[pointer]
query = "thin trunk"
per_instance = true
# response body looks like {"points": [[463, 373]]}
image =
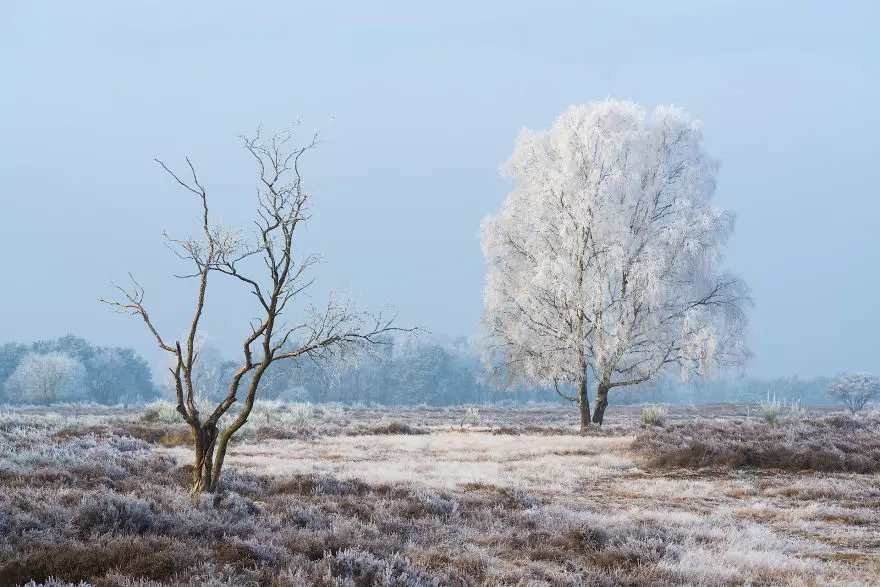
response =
{"points": [[601, 403], [213, 479], [584, 403]]}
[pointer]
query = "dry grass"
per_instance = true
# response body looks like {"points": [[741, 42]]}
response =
{"points": [[440, 460], [837, 443], [102, 499]]}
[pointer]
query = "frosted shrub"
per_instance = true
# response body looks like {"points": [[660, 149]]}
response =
{"points": [[654, 416], [795, 412], [101, 512], [770, 408], [266, 412], [333, 413], [301, 415], [394, 571], [471, 417], [160, 412]]}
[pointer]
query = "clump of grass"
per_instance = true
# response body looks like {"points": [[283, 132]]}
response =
{"points": [[471, 417], [160, 412], [654, 416], [795, 412], [770, 408]]}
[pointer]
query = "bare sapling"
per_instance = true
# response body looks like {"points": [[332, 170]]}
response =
{"points": [[265, 266]]}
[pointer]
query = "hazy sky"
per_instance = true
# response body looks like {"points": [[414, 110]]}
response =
{"points": [[417, 106]]}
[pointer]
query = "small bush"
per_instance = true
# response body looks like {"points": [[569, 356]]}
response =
{"points": [[301, 415], [471, 417], [770, 408], [160, 412], [654, 416], [395, 427]]}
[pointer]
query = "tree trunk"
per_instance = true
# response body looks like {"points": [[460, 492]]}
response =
{"points": [[584, 404], [601, 403], [203, 467]]}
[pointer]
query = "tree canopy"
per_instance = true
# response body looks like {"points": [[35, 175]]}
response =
{"points": [[604, 259]]}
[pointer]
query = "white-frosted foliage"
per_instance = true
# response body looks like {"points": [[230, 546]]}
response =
{"points": [[855, 390], [607, 251], [46, 378]]}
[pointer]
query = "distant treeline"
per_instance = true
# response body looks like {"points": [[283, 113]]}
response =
{"points": [[72, 369], [404, 373]]}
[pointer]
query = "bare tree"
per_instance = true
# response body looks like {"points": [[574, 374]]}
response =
{"points": [[855, 391], [266, 267]]}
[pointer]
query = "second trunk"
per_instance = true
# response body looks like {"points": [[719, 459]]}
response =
{"points": [[584, 404], [601, 403]]}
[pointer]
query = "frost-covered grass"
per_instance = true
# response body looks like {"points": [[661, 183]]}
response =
{"points": [[104, 501], [654, 416], [835, 443], [770, 408]]}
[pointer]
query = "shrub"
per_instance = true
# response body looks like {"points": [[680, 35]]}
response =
{"points": [[471, 417], [392, 427], [795, 412], [654, 416], [160, 412], [770, 409], [106, 511], [854, 391], [334, 413], [302, 415]]}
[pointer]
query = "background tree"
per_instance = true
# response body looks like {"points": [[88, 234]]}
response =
{"points": [[46, 378], [266, 267], [854, 391], [604, 257], [11, 355], [116, 375]]}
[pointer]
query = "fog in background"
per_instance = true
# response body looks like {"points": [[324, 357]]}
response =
{"points": [[417, 106]]}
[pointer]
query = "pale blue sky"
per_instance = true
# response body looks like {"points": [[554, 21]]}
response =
{"points": [[417, 107]]}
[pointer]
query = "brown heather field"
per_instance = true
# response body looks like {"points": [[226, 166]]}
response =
{"points": [[409, 496]]}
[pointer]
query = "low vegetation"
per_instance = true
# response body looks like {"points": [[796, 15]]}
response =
{"points": [[104, 500], [654, 416], [833, 444]]}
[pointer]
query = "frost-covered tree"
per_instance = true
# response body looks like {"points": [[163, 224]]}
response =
{"points": [[117, 375], [604, 258], [854, 391], [272, 271], [46, 378]]}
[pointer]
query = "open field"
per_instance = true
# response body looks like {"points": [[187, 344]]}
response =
{"points": [[409, 496]]}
